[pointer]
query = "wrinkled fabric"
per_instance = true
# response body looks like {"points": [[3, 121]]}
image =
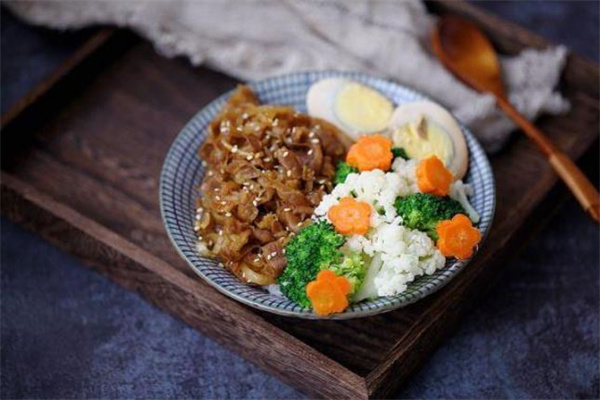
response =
{"points": [[255, 39]]}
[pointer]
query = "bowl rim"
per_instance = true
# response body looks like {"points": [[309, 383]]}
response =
{"points": [[457, 265]]}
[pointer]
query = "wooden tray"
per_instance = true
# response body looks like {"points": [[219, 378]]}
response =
{"points": [[81, 158]]}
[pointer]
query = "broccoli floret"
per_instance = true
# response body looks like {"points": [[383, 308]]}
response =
{"points": [[316, 247], [343, 170], [352, 268], [400, 152], [423, 211]]}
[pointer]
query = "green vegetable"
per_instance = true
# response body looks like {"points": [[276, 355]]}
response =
{"points": [[353, 268], [343, 170], [400, 152], [316, 247], [423, 211]]}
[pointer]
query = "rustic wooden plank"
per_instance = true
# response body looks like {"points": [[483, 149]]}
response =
{"points": [[190, 300], [81, 54]]}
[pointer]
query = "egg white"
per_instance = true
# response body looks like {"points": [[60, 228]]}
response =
{"points": [[354, 108], [412, 112]]}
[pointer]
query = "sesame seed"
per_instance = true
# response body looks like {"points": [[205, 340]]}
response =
{"points": [[223, 202], [266, 159], [273, 254], [285, 154], [218, 197], [245, 115], [234, 149], [196, 228], [315, 141], [210, 173], [220, 233], [199, 209], [269, 257], [311, 135], [310, 152], [250, 157], [228, 214], [299, 223], [287, 209], [255, 203], [283, 251], [198, 217], [203, 163], [256, 259], [289, 173], [275, 122], [239, 128]]}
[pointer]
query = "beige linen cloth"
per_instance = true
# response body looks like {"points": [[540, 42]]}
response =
{"points": [[252, 39]]}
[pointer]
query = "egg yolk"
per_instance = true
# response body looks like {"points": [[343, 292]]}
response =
{"points": [[425, 141], [362, 109]]}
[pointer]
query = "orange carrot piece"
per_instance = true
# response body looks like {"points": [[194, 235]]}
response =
{"points": [[371, 152], [328, 294], [457, 237], [433, 177], [350, 217]]}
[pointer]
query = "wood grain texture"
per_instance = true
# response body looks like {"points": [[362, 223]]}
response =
{"points": [[84, 174], [191, 300]]}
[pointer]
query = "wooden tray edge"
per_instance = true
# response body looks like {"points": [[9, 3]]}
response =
{"points": [[274, 350], [89, 47]]}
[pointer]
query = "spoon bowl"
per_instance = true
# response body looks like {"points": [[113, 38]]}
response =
{"points": [[471, 55]]}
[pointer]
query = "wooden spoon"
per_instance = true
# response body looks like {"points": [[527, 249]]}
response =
{"points": [[468, 53]]}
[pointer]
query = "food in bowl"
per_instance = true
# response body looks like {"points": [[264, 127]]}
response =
{"points": [[325, 221], [267, 168]]}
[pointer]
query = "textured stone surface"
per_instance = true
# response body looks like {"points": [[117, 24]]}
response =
{"points": [[67, 332]]}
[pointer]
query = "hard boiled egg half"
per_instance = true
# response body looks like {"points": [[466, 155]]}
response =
{"points": [[354, 108], [424, 129]]}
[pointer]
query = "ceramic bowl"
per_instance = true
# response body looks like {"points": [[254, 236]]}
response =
{"points": [[182, 173]]}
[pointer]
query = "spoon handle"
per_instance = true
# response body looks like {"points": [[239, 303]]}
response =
{"points": [[571, 175]]}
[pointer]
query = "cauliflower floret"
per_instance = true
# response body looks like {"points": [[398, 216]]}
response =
{"points": [[377, 188], [405, 255], [405, 169], [460, 192]]}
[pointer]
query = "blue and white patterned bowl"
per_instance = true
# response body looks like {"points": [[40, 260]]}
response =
{"points": [[182, 173]]}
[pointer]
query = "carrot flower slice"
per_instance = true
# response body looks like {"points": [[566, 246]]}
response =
{"points": [[433, 177], [457, 237], [371, 152], [350, 217], [328, 294]]}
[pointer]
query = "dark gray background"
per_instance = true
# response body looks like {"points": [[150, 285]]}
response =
{"points": [[67, 332]]}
